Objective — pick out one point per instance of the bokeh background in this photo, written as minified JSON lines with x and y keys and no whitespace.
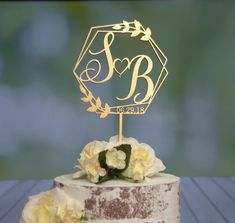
{"x":43,"y":124}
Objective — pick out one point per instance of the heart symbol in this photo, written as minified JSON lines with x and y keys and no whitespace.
{"x":121,"y":65}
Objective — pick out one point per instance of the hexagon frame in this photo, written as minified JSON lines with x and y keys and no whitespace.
{"x":125,"y":27}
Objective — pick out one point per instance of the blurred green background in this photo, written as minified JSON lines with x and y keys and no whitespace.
{"x":43,"y":124}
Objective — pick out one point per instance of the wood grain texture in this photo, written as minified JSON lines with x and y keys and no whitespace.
{"x":12,"y":203}
{"x":202,"y":207}
{"x":224,"y":205}
{"x":187,"y":211}
{"x":5,"y":186}
{"x":226,"y":185}
{"x":203,"y":199}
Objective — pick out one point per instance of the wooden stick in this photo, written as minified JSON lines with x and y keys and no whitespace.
{"x":120,"y":127}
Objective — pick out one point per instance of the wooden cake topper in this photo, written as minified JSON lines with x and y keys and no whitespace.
{"x":141,"y":73}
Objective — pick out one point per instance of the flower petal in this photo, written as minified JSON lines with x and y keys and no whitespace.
{"x":121,"y":155}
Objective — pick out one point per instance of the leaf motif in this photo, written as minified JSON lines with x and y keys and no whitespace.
{"x":82,"y":89}
{"x":85,"y":99}
{"x":89,"y":97}
{"x":106,"y":111}
{"x":137,"y":25}
{"x":135,"y":33}
{"x":93,"y":108}
{"x":104,"y":115}
{"x":126,"y":25}
{"x":145,"y":38}
{"x":148,"y":32}
{"x":107,"y":108}
{"x":147,"y":35}
{"x":98,"y":102}
{"x":117,"y":27}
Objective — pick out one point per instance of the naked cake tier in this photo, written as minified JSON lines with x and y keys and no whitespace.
{"x":156,"y":200}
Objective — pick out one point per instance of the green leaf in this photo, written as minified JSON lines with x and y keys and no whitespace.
{"x":114,"y":172}
{"x":102,"y":159}
{"x":126,"y":148}
{"x":104,"y":178}
{"x":120,"y":176}
{"x":84,"y":218}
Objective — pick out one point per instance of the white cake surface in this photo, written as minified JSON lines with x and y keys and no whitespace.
{"x":156,"y":200}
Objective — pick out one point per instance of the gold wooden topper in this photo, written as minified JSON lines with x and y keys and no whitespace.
{"x":98,"y":65}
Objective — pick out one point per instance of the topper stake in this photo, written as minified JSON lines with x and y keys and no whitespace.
{"x":120,"y":127}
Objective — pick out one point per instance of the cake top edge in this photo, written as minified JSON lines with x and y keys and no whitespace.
{"x":161,"y":178}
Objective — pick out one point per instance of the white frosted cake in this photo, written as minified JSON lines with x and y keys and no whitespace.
{"x":155,"y":200}
{"x":117,"y":182}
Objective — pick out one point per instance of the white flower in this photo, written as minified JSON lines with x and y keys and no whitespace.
{"x":143,"y":163}
{"x":116,"y":159}
{"x":136,"y":170}
{"x":90,"y":150}
{"x":93,"y":169}
{"x":113,"y":142}
{"x":89,"y":163}
{"x":53,"y":206}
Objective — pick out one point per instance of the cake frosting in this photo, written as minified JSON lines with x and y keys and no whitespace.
{"x":156,"y":200}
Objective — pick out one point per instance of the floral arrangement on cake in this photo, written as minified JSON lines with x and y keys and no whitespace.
{"x":52,"y":206}
{"x":101,"y":161}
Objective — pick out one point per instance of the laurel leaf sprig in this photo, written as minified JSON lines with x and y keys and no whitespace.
{"x":117,"y":27}
{"x":135,"y":31}
{"x":106,"y":111}
{"x":82,"y":89}
{"x":126,"y":26}
{"x":147,"y":35}
{"x":96,"y":103}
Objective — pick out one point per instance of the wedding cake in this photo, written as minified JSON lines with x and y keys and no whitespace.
{"x":118,"y":181}
{"x":125,"y":188}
